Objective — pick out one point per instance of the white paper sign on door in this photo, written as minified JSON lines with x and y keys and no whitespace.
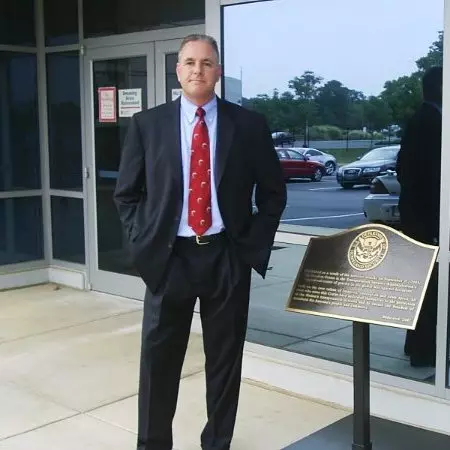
{"x":130,"y":102}
{"x":176,"y":93}
{"x":107,"y":104}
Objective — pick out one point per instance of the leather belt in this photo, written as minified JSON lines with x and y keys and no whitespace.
{"x":202,"y":240}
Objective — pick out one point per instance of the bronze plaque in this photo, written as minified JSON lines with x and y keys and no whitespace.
{"x":371,"y":273}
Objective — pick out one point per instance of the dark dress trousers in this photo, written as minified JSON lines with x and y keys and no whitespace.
{"x":177,"y":271}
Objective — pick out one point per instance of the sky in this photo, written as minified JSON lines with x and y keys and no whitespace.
{"x":358,"y":42}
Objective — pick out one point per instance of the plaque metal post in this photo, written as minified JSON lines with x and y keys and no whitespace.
{"x":364,"y":258}
{"x":361,"y":387}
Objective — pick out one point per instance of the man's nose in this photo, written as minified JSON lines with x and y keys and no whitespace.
{"x":197,"y":68}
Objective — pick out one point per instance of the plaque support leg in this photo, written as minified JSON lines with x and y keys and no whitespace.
{"x":361,"y":387}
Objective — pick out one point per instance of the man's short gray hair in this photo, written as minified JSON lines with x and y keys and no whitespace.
{"x":201,"y":37}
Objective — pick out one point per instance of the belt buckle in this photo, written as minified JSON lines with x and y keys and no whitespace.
{"x":199,"y":242}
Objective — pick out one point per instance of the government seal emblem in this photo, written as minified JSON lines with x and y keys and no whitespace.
{"x":368,"y":250}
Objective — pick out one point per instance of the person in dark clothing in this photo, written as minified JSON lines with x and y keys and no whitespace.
{"x":419,"y":204}
{"x":187,"y":174}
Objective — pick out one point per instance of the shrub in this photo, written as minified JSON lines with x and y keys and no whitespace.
{"x":325,"y":133}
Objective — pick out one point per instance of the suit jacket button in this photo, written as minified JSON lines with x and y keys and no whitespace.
{"x":170,"y":246}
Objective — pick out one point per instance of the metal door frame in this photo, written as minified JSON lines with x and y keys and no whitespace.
{"x":101,"y":280}
{"x":155,"y":45}
{"x":162,"y":49}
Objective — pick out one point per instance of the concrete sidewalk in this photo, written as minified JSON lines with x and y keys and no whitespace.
{"x":68,"y":380}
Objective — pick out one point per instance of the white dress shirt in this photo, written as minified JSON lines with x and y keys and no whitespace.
{"x":187,"y":123}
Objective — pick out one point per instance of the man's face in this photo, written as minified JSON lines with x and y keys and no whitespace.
{"x":198,"y":71}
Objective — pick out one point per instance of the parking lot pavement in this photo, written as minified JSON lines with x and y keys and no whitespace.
{"x":340,"y":144}
{"x":324,"y":204}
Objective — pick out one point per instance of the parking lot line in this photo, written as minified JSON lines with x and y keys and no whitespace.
{"x":324,"y":189}
{"x":322,"y":217}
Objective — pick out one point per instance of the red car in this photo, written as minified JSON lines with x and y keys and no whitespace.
{"x":297,"y":165}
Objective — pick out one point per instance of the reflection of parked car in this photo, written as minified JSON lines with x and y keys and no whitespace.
{"x":376,"y":162}
{"x":381,"y":205}
{"x":329,"y":161}
{"x":296,"y":165}
{"x":282,"y":138}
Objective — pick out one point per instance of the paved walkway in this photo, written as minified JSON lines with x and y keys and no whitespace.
{"x":68,"y":380}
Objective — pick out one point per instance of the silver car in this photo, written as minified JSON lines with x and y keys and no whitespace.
{"x":381,"y":205}
{"x":329,"y":161}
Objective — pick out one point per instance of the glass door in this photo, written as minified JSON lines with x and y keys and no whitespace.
{"x":166,"y":57}
{"x":119,"y":83}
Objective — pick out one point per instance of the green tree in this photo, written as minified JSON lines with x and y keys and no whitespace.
{"x":355,"y":112}
{"x":283,"y":111}
{"x":435,"y":55}
{"x":265,"y":105}
{"x":333,"y":104}
{"x":287,"y":109}
{"x":339,"y":105}
{"x":306,"y":86}
{"x":377,"y":113}
{"x":403,"y":96}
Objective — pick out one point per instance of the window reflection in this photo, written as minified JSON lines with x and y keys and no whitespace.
{"x":327,"y":338}
{"x":21,"y":236}
{"x":64,"y":120}
{"x":68,"y":229}
{"x":125,"y":73}
{"x":172,"y":83}
{"x":19,"y":128}
{"x":17,"y":22}
{"x":419,"y":204}
{"x":340,"y":87}
{"x":61,"y":22}
{"x":339,"y":93}
{"x":128,"y":16}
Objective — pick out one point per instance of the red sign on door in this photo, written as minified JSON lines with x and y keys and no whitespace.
{"x":107,"y":110}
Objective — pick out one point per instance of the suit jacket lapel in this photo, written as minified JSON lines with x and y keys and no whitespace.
{"x":173,"y":142}
{"x":225,"y":133}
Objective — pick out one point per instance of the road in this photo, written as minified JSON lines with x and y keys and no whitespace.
{"x":324,"y":204}
{"x":341,"y":144}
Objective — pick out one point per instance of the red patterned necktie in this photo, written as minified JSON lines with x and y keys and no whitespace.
{"x":199,"y":206}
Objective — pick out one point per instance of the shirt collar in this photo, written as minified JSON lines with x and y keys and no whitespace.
{"x":189,"y":109}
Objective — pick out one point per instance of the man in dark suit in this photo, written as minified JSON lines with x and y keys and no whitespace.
{"x":419,"y":203}
{"x":184,"y":194}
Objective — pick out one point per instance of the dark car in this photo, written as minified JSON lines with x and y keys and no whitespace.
{"x":297,"y":165}
{"x":282,"y":138}
{"x":376,"y":162}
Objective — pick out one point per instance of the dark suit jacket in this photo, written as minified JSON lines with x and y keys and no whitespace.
{"x":418,"y":171}
{"x":149,"y":191}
